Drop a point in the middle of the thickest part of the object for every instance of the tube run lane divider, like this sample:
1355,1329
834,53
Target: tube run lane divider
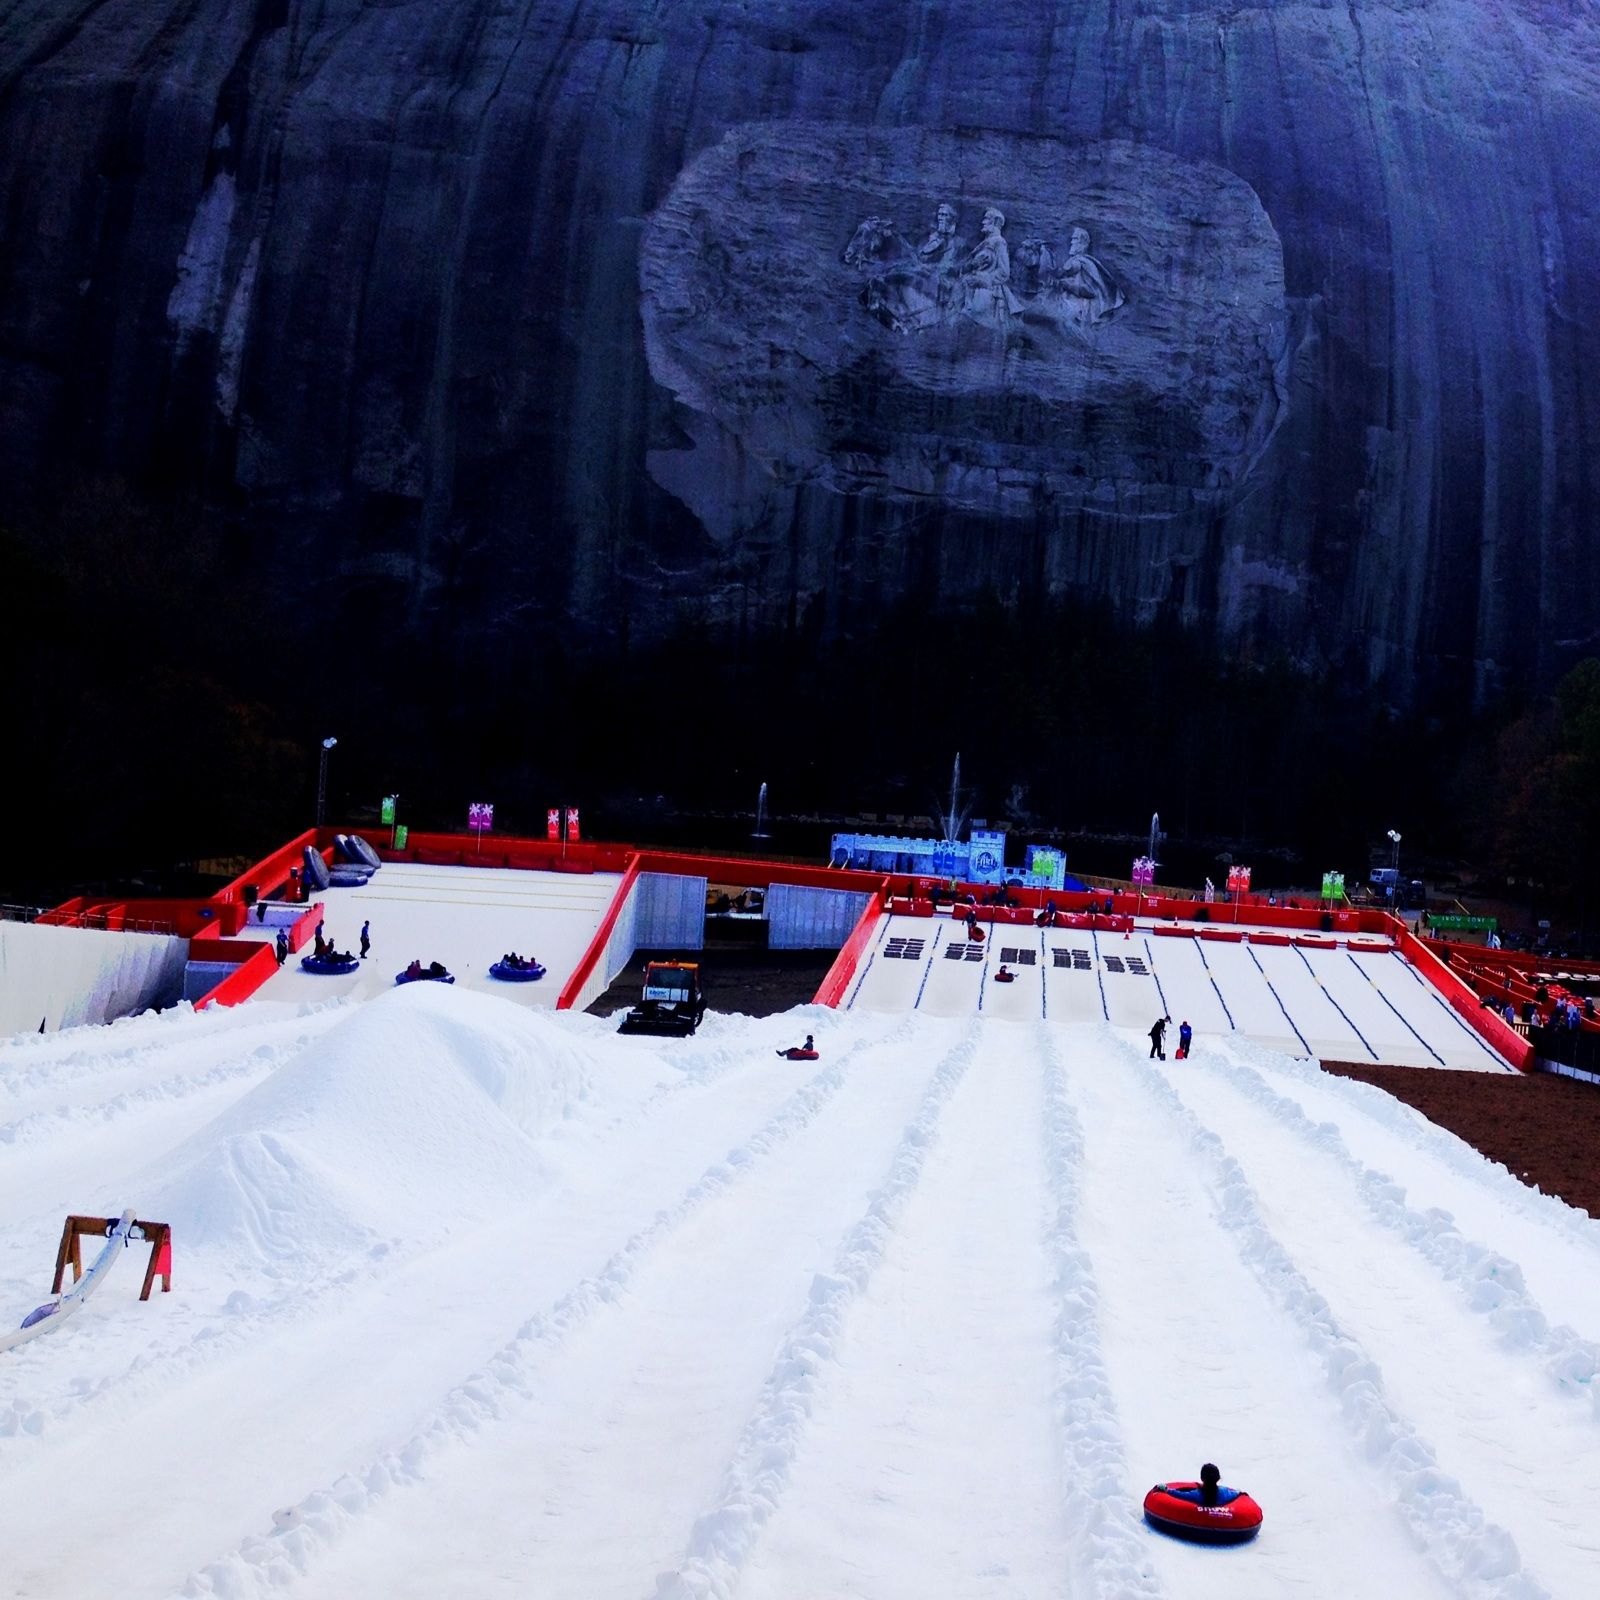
1044,979
1150,958
983,977
1200,945
861,977
1391,1005
927,971
1472,1033
1349,1020
1278,997
1105,1010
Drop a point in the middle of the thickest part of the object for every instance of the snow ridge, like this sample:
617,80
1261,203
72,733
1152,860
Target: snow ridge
261,1565
1478,1557
1435,1142
723,1538
261,1061
1103,1522
1487,1281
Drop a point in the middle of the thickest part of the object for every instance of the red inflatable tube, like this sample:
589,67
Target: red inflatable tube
797,1054
1170,1508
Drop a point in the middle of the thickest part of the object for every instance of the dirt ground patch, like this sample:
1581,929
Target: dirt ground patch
1544,1128
758,983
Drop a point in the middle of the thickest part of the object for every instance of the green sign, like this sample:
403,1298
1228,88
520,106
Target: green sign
1451,923
1333,886
388,811
401,834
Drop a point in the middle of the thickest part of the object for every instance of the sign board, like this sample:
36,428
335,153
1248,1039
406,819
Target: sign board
987,859
386,812
480,817
401,834
1452,923
1144,869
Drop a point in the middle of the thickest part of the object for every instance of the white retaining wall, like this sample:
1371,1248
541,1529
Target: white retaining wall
65,977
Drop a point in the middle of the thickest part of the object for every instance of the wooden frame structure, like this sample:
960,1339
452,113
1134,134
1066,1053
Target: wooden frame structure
77,1229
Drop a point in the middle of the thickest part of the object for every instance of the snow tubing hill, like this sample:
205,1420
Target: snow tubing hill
1176,1508
515,974
328,969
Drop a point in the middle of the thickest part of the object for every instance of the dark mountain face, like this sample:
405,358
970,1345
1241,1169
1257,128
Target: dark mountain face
486,319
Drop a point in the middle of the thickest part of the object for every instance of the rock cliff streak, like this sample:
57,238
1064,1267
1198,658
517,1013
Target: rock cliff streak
1282,318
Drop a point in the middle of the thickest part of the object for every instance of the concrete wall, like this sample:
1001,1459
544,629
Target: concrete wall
65,977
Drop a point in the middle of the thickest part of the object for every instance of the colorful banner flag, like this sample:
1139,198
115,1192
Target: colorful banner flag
401,834
387,810
573,834
480,817
552,824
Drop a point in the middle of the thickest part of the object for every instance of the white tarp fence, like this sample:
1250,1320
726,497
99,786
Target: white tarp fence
811,919
64,977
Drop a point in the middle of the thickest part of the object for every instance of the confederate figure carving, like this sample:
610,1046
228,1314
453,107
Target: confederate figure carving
986,276
1082,287
912,287
908,287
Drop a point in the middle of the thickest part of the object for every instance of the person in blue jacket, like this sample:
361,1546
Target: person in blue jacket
1185,1036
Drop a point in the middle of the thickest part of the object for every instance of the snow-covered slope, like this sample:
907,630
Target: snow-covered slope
473,1300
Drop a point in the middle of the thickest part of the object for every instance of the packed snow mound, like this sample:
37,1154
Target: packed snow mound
415,1112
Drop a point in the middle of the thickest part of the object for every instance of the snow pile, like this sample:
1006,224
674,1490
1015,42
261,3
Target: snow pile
321,1518
413,1112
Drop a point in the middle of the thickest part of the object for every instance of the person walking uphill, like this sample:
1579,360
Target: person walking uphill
366,939
1158,1039
1185,1040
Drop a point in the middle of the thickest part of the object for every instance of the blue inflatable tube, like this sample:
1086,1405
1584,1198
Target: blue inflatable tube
515,974
324,968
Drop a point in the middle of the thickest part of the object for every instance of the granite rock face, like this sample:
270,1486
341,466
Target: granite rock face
782,300
509,312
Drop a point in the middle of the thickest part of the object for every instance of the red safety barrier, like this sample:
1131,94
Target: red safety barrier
1225,935
1494,1029
836,981
602,935
253,971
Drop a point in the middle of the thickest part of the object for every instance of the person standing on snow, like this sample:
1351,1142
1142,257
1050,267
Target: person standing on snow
1158,1037
366,939
1185,1036
283,947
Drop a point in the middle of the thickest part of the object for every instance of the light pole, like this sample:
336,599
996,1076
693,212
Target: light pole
322,778
1394,857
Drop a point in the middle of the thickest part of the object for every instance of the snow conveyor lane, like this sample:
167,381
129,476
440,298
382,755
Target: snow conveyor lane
477,1300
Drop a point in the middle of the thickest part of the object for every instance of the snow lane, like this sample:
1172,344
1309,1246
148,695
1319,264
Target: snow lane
575,1348
1204,1366
724,1536
1426,1010
1477,1556
1190,993
943,1361
1486,1282
1473,1393
1557,1245
1251,1003
1108,1552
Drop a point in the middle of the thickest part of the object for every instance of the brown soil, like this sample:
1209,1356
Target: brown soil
1544,1128
758,983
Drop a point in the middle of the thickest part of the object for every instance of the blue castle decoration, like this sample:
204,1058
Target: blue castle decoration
980,858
